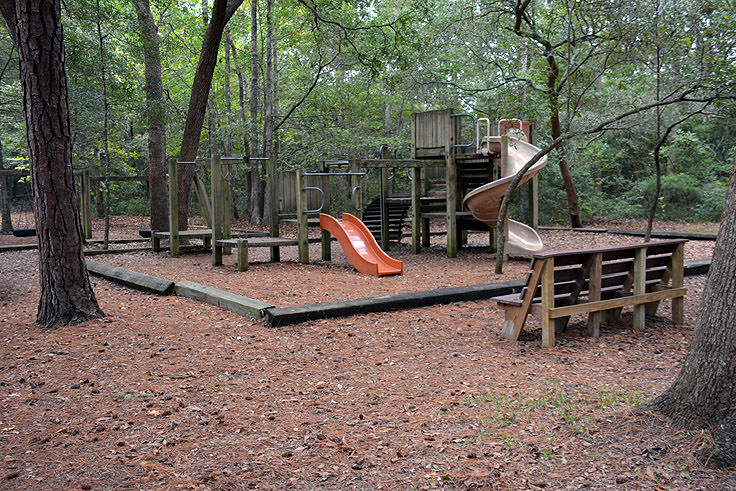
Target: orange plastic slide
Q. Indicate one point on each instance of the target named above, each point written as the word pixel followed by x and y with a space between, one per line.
pixel 359 245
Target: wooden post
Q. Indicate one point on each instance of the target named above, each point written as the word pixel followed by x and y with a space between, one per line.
pixel 326 241
pixel 273 219
pixel 356 181
pixel 425 221
pixel 243 255
pixel 640 274
pixel 416 210
pixel 218 212
pixel 548 302
pixel 226 207
pixel 301 218
pixel 678 276
pixel 594 293
pixel 173 209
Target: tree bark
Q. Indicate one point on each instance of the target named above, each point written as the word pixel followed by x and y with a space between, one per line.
pixel 268 102
pixel 155 111
pixel 704 393
pixel 66 293
pixel 222 10
pixel 242 87
pixel 257 184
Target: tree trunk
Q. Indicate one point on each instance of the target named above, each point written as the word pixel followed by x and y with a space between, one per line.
pixel 105 124
pixel 66 293
pixel 6 222
pixel 572 194
pixel 244 118
pixel 221 13
pixel 257 184
pixel 268 100
pixel 155 111
pixel 704 393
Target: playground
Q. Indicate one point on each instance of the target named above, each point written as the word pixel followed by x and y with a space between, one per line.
pixel 168 391
pixel 338 351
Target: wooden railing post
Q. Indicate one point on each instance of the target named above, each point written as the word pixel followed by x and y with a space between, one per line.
pixel 416 210
pixel 218 212
pixel 173 209
pixel 273 218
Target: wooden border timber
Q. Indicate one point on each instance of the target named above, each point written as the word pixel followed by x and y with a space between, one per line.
pixel 223 299
pixel 132 279
pixel 281 316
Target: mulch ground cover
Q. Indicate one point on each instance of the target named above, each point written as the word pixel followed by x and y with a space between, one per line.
pixel 167 392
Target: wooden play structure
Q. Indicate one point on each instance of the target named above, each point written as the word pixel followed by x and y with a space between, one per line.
pixel 448 159
pixel 597 282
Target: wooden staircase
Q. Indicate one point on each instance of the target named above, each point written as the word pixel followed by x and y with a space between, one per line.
pixel 398 205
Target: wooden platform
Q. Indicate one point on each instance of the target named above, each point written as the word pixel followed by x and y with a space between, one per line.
pixel 242 245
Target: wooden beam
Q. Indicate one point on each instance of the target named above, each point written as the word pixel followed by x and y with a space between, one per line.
pixel 384 303
pixel 223 299
pixel 615 303
pixel 133 279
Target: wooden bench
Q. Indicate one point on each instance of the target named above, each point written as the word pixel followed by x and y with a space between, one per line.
pixel 205 234
pixel 597 281
pixel 242 244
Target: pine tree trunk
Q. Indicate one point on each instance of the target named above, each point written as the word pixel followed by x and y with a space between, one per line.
pixel 242 87
pixel 704 393
pixel 268 101
pixel 155 110
pixel 66 293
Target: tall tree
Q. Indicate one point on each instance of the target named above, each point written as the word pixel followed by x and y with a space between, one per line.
pixel 155 111
pixel 704 393
pixel 66 293
pixel 222 10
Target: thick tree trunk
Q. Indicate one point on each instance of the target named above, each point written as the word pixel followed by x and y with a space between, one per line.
pixel 66 293
pixel 6 222
pixel 221 13
pixel 257 184
pixel 155 111
pixel 704 393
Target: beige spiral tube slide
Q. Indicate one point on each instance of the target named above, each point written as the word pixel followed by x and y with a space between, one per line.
pixel 484 202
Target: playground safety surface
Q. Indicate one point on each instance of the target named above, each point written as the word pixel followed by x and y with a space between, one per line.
pixel 168 392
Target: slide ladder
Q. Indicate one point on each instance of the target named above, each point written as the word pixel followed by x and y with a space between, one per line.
pixel 360 247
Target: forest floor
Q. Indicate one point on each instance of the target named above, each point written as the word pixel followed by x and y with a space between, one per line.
pixel 167 392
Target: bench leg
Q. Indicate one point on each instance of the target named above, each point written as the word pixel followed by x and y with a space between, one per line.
pixel 207 242
pixel 217 255
pixel 678 313
pixel 548 332
pixel 155 242
pixel 594 324
pixel 242 256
